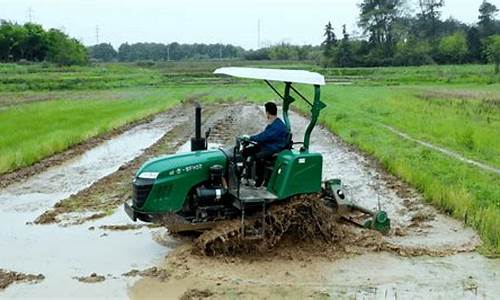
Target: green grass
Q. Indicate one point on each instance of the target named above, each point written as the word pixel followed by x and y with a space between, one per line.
pixel 30 132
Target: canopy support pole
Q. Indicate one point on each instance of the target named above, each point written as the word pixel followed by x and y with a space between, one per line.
pixel 316 108
pixel 287 100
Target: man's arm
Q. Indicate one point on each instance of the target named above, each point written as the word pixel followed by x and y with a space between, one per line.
pixel 265 136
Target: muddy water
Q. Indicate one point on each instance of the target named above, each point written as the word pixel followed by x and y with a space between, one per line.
pixel 62 253
pixel 385 276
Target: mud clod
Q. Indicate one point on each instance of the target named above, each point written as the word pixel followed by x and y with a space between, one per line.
pixel 192 294
pixel 153 272
pixel 92 278
pixel 421 217
pixel 9 277
pixel 47 217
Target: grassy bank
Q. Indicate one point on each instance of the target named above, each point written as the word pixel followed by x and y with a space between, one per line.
pixel 30 132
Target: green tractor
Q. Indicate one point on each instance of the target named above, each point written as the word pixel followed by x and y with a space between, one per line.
pixel 197 190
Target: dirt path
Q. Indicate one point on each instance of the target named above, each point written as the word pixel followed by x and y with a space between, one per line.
pixel 429 254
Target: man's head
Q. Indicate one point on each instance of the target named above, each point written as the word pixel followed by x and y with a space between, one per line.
pixel 271 110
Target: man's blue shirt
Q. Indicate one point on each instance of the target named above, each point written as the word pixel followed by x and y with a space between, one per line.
pixel 274 137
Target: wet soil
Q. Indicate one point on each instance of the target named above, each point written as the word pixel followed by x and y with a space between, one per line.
pixel 122 227
pixel 9 277
pixel 153 272
pixel 427 254
pixel 196 294
pixel 92 278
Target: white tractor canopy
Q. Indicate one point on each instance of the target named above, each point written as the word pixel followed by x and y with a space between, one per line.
pixel 293 76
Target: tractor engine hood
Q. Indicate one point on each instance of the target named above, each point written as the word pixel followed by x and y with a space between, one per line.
pixel 177 164
pixel 172 177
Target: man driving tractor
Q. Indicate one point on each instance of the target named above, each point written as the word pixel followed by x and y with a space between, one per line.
pixel 272 140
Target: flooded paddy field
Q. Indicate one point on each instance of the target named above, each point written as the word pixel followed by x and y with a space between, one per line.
pixel 67 224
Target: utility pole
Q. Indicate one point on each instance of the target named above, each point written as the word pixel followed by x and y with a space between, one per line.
pixel 97 35
pixel 220 51
pixel 30 14
pixel 258 33
pixel 168 52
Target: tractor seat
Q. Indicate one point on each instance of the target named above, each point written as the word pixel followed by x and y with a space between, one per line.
pixel 289 146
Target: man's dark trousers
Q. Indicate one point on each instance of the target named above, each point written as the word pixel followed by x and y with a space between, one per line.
pixel 260 156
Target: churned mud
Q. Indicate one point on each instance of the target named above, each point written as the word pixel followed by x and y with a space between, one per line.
pixel 196 294
pixel 92 278
pixel 153 272
pixel 122 227
pixel 426 255
pixel 9 277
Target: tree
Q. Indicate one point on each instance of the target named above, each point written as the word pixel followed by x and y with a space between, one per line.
pixel 64 50
pixel 493 51
pixel 487 12
pixel 329 43
pixel 345 57
pixel 6 40
pixel 453 48
pixel 103 52
pixel 429 17
pixel 378 18
pixel 330 37
pixel 474 45
pixel 284 51
pixel 413 52
pixel 35 44
pixel 124 52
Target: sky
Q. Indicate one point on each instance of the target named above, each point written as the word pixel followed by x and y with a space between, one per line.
pixel 203 21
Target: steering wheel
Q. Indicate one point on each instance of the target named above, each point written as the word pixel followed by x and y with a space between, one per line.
pixel 245 142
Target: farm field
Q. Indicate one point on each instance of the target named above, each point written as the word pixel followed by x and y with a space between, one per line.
pixel 422 140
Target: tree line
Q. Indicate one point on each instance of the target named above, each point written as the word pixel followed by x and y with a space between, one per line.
pixel 394 37
pixel 32 43
pixel 158 51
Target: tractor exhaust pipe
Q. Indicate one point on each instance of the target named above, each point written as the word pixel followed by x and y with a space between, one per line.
pixel 198 143
pixel 197 124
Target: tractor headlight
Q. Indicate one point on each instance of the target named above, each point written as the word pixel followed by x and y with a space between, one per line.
pixel 148 175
